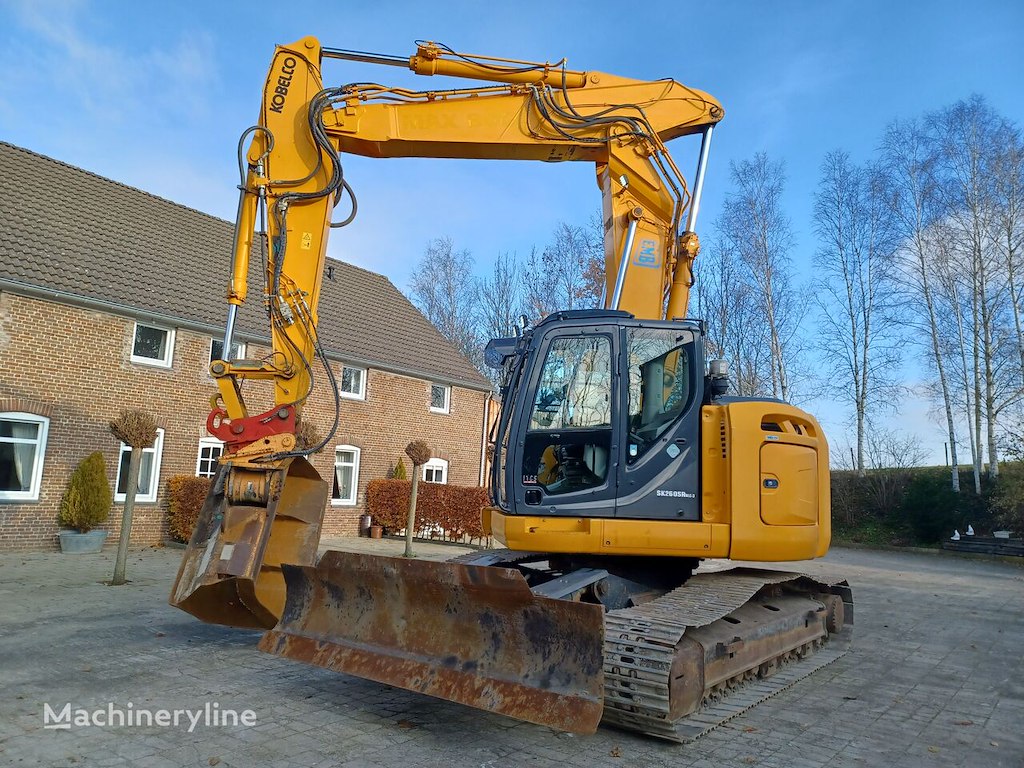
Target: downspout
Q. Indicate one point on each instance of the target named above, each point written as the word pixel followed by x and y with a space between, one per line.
pixel 483 436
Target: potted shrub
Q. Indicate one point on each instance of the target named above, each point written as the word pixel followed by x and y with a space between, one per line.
pixel 85 504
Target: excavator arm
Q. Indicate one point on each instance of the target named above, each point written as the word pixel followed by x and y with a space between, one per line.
pixel 619 125
pixel 600 620
pixel 293 179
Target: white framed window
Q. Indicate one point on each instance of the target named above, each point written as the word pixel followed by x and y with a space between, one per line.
pixel 217 350
pixel 353 382
pixel 152 345
pixel 149 475
pixel 22 449
pixel 440 398
pixel 210 449
pixel 435 471
pixel 346 475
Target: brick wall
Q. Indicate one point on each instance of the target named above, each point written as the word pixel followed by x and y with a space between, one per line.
pixel 72 366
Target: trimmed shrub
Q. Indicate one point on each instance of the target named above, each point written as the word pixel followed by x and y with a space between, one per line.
pixel 135 428
pixel 399 471
pixel 453 508
pixel 185 497
pixel 86 503
pixel 931 508
pixel 418 452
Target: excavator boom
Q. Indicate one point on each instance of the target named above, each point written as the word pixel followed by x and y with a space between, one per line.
pixel 618 462
pixel 294 179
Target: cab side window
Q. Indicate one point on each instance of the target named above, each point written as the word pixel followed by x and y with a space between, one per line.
pixel 659 383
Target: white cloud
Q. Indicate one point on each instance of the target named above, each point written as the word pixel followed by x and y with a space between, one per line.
pixel 95 75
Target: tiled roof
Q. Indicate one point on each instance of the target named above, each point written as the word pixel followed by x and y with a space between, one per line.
pixel 68 231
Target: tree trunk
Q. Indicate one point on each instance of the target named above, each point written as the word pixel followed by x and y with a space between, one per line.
pixel 410 523
pixel 990 423
pixel 976 370
pixel 988 352
pixel 134 470
pixel 1012 282
pixel 966 381
pixel 947 397
pixel 861 470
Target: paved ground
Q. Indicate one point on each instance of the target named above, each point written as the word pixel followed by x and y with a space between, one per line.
pixel 935 678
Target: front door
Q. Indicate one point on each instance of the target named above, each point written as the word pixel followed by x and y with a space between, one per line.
pixel 567 463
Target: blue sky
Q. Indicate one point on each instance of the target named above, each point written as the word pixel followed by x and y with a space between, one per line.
pixel 155 94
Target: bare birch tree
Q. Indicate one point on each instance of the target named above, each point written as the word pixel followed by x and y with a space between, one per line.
pixel 569 272
pixel 970 135
pixel 910 159
pixel 856 288
pixel 754 227
pixel 727 301
pixel 443 289
pixel 1008 179
pixel 501 297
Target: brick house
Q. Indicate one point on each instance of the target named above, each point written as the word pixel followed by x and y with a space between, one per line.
pixel 112 298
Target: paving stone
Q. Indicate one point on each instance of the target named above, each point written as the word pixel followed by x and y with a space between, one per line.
pixel 937 642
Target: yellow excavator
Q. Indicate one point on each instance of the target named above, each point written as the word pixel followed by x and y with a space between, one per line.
pixel 619 461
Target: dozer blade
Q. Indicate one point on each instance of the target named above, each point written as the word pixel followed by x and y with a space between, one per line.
pixel 467 633
pixel 231 571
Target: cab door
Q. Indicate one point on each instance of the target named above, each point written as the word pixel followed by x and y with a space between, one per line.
pixel 567 453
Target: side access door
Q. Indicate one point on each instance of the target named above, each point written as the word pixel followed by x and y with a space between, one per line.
pixel 659 468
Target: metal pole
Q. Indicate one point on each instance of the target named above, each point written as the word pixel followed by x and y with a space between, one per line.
pixel 369 58
pixel 229 330
pixel 620 278
pixel 698 183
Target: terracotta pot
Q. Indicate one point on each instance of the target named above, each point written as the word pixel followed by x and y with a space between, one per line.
pixel 376 531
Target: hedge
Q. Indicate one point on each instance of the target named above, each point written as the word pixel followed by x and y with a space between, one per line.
pixel 185 497
pixel 455 509
pixel 917 506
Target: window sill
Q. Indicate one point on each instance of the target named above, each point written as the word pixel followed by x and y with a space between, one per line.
pixel 138 500
pixel 341 503
pixel 150 362
pixel 350 396
pixel 19 499
pixel 440 410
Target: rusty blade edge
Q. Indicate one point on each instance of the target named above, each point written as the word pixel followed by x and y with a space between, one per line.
pixel 578 712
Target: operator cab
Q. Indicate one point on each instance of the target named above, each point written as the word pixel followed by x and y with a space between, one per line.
pixel 605 411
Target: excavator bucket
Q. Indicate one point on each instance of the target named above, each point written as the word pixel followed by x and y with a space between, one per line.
pixel 472 634
pixel 231 571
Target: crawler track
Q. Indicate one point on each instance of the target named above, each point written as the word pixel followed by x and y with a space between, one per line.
pixel 641 652
pixel 680 665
